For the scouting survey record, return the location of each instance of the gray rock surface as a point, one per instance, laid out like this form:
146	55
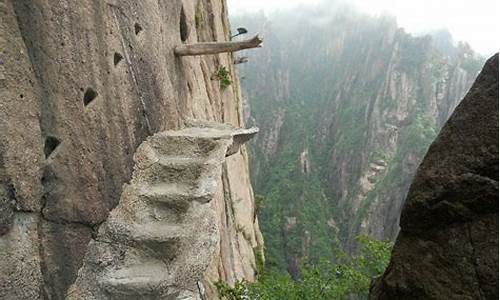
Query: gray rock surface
82	85
448	244
161	238
19	250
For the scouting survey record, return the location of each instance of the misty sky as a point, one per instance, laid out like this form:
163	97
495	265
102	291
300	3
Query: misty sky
473	21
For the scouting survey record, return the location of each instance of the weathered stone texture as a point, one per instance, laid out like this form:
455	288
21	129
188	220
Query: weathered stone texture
82	84
160	239
448	244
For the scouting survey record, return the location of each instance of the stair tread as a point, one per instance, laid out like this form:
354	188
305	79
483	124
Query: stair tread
182	160
147	276
208	132
159	232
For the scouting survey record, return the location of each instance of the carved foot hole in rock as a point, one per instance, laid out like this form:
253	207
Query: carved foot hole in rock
51	144
183	26
21	96
89	96
117	58
137	28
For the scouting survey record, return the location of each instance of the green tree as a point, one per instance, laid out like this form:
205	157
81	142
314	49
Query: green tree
224	77
320	281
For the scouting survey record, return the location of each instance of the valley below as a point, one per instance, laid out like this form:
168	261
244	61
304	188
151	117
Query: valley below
347	105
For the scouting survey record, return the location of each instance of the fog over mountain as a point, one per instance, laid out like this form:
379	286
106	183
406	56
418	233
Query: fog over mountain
464	19
347	104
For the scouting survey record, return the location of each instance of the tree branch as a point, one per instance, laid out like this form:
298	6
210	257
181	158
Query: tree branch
217	47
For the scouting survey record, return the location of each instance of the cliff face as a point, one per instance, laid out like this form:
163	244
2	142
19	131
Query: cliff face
448	244
348	105
82	84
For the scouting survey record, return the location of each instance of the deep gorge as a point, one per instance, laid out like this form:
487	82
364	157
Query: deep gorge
348	105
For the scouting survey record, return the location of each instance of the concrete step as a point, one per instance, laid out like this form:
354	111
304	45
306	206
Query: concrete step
201	141
142	279
179	196
176	169
156	220
159	237
162	238
193	147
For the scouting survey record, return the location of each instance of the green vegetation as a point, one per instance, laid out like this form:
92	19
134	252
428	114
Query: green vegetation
358	97
224	77
415	139
199	20
324	280
259	259
259	203
290	193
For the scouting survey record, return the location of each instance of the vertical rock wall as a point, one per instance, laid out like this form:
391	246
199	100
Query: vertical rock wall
82	84
448	244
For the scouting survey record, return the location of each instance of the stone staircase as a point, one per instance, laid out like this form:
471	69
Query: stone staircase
160	239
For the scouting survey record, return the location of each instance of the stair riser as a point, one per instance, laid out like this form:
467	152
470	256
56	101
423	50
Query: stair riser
175	203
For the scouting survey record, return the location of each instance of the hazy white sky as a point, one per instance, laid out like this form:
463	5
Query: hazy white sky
473	21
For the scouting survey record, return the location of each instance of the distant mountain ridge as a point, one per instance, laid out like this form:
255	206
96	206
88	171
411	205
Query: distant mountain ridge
347	105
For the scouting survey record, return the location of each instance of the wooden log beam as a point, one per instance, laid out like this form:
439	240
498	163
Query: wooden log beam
217	47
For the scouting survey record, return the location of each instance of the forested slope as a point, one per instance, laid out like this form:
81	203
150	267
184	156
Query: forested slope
347	105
